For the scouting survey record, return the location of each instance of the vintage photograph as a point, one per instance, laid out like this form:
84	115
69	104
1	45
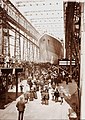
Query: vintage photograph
42	60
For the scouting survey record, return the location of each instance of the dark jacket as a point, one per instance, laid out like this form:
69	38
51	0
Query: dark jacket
20	106
56	93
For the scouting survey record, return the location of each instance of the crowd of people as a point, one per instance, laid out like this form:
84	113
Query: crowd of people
47	81
42	81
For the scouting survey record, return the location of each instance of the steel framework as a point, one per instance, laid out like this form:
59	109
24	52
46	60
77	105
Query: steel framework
18	38
72	17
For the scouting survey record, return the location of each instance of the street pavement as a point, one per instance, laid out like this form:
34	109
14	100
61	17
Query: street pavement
35	110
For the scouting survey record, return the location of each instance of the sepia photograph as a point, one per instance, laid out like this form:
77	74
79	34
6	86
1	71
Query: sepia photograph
42	60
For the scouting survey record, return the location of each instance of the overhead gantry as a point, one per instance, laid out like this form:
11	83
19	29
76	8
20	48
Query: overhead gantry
18	38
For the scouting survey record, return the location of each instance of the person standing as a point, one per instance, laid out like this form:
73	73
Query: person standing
52	93
46	97
21	88
61	93
20	107
56	94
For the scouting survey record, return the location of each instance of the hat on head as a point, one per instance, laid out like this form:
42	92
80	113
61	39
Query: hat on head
21	98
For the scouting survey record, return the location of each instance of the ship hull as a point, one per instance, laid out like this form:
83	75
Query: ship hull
51	49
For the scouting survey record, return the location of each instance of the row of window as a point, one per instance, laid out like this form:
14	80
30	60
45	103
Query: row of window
42	14
21	5
41	11
44	4
48	21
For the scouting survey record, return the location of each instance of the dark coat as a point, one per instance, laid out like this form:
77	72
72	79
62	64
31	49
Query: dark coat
20	106
56	93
